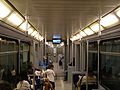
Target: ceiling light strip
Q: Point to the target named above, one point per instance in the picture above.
(10, 15)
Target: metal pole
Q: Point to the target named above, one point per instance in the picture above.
(72, 54)
(34, 64)
(80, 57)
(45, 46)
(98, 61)
(26, 15)
(76, 57)
(19, 62)
(87, 65)
(84, 45)
(42, 48)
(99, 34)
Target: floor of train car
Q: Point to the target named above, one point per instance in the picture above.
(62, 85)
(59, 82)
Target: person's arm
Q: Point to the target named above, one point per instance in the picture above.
(78, 83)
(18, 85)
(53, 73)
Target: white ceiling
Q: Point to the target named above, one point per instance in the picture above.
(63, 17)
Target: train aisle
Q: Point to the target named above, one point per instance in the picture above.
(62, 85)
(59, 82)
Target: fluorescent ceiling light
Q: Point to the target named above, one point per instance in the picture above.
(78, 36)
(88, 31)
(118, 12)
(30, 30)
(37, 36)
(95, 27)
(41, 38)
(71, 39)
(109, 20)
(15, 19)
(24, 26)
(82, 34)
(4, 10)
(74, 38)
(34, 33)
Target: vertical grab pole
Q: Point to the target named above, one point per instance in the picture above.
(19, 61)
(75, 57)
(34, 64)
(45, 50)
(98, 42)
(72, 54)
(80, 57)
(87, 65)
(98, 62)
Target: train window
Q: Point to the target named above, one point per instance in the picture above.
(110, 64)
(110, 46)
(93, 46)
(24, 49)
(8, 58)
(93, 56)
(24, 46)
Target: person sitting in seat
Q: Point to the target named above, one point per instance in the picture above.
(90, 79)
(23, 84)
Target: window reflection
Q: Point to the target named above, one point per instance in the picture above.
(110, 64)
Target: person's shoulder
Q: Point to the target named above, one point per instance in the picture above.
(49, 70)
(46, 70)
(52, 70)
(26, 83)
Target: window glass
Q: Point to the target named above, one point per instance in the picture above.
(110, 46)
(24, 49)
(110, 64)
(8, 58)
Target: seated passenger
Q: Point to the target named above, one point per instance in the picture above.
(23, 84)
(91, 80)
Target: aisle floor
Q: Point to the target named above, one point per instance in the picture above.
(59, 82)
(62, 85)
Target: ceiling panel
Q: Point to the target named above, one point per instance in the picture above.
(64, 17)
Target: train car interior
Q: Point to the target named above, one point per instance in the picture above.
(78, 41)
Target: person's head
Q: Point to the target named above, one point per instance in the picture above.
(50, 66)
(5, 86)
(23, 76)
